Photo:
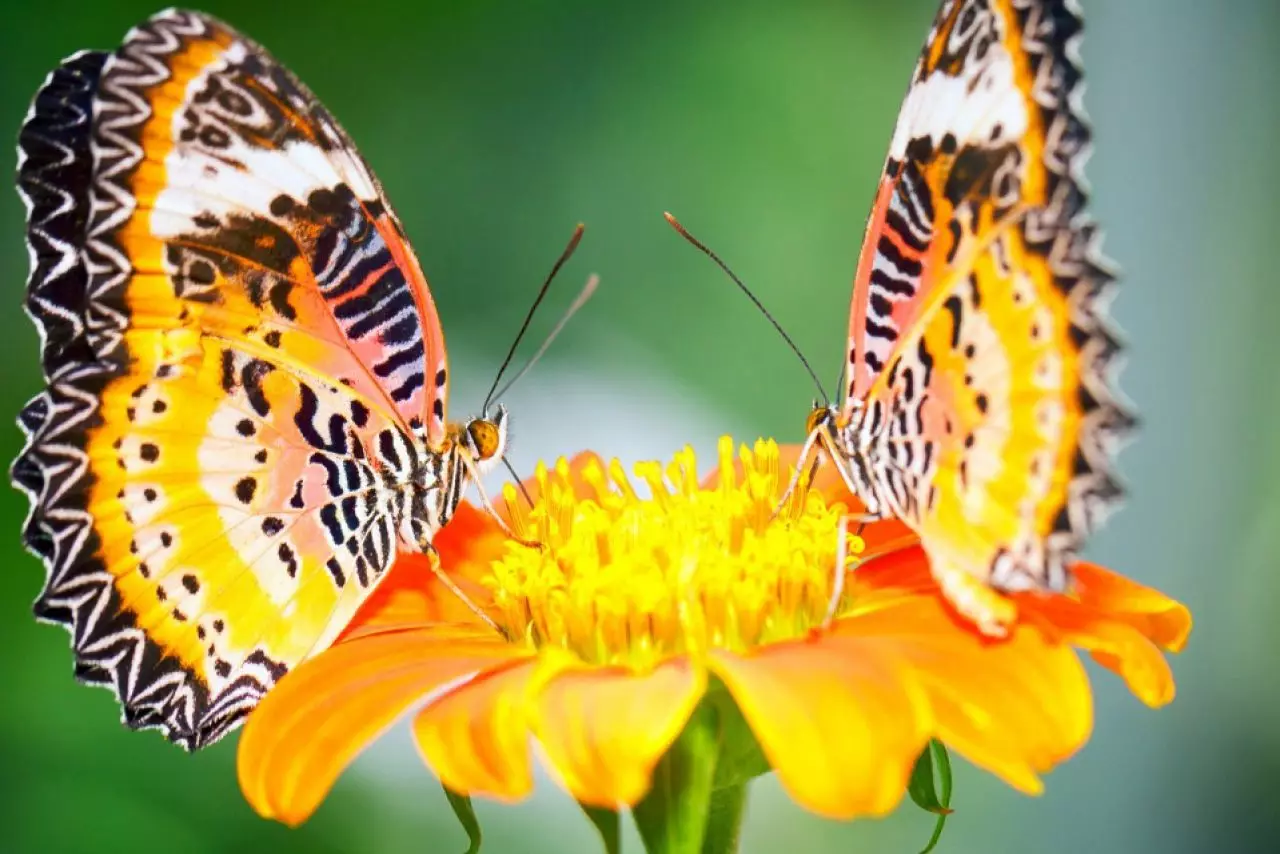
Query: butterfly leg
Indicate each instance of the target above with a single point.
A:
(840, 572)
(506, 529)
(809, 449)
(433, 561)
(488, 507)
(977, 602)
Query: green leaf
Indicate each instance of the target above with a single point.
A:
(466, 815)
(923, 791)
(606, 822)
(672, 817)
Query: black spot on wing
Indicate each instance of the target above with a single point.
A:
(898, 287)
(279, 298)
(402, 331)
(881, 331)
(908, 266)
(329, 518)
(897, 223)
(350, 512)
(251, 377)
(335, 570)
(245, 489)
(398, 359)
(954, 307)
(288, 558)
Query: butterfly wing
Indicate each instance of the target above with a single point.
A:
(211, 152)
(236, 343)
(978, 343)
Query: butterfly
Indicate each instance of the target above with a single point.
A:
(978, 408)
(244, 417)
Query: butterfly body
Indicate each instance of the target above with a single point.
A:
(978, 407)
(244, 418)
(862, 450)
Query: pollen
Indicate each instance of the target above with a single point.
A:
(638, 568)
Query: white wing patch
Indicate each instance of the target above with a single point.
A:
(983, 104)
(239, 177)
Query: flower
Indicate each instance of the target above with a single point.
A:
(613, 633)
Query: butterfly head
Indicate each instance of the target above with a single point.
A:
(833, 431)
(485, 438)
(820, 416)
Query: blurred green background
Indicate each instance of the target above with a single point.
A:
(496, 127)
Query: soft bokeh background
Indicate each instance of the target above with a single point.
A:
(495, 128)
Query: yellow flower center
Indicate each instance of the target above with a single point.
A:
(626, 579)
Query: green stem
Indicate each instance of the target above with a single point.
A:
(672, 817)
(724, 820)
(698, 796)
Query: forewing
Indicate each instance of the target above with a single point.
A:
(985, 135)
(228, 199)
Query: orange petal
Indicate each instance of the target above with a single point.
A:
(1123, 624)
(1166, 622)
(1139, 663)
(887, 537)
(319, 717)
(476, 737)
(469, 543)
(1016, 707)
(1115, 645)
(902, 569)
(604, 729)
(840, 719)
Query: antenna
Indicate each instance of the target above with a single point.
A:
(723, 266)
(588, 290)
(516, 477)
(537, 301)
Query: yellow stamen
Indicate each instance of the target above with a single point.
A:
(631, 580)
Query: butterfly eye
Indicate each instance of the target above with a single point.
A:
(486, 438)
(817, 417)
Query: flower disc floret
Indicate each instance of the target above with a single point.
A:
(635, 573)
